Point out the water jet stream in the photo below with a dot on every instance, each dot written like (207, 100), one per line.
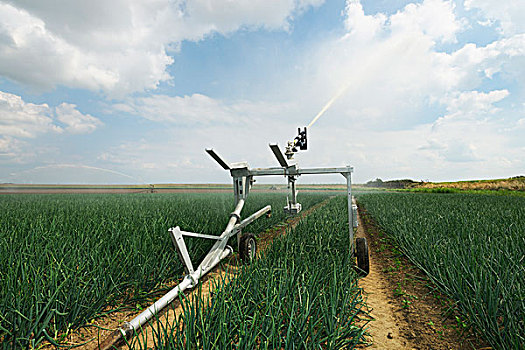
(328, 104)
(81, 166)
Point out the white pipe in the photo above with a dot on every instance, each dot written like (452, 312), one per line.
(218, 252)
(235, 215)
(187, 282)
(253, 217)
(160, 304)
(350, 211)
(211, 260)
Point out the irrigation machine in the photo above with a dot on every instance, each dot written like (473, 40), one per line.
(243, 179)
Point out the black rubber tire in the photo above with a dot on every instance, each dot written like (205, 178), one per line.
(248, 248)
(363, 261)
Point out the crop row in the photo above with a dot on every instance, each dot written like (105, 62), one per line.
(301, 293)
(472, 246)
(65, 259)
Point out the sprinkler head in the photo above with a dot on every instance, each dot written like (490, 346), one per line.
(300, 140)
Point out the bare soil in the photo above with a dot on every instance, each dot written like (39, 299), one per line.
(407, 310)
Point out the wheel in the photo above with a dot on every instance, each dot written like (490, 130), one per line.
(363, 262)
(248, 247)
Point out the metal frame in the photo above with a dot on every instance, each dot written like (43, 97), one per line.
(243, 179)
(243, 174)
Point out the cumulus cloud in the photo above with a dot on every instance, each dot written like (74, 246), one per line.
(21, 119)
(462, 134)
(434, 18)
(394, 67)
(27, 120)
(474, 103)
(405, 99)
(74, 121)
(118, 47)
(198, 109)
(22, 123)
(10, 147)
(412, 105)
(509, 15)
(418, 100)
(390, 64)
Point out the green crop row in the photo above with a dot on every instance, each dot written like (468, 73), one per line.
(66, 259)
(471, 246)
(301, 293)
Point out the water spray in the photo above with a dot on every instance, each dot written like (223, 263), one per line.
(300, 139)
(81, 166)
(329, 104)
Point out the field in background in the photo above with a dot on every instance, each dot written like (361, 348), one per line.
(158, 188)
(513, 185)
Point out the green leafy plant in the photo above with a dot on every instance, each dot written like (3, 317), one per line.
(471, 246)
(302, 293)
(68, 258)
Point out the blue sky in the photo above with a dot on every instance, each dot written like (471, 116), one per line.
(132, 91)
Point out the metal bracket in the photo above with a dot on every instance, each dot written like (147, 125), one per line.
(178, 241)
(354, 216)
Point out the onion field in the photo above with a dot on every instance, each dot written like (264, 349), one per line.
(68, 258)
(471, 246)
(301, 294)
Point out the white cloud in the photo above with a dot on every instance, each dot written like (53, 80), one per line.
(225, 16)
(10, 147)
(199, 109)
(28, 120)
(417, 102)
(395, 68)
(474, 103)
(118, 47)
(21, 119)
(399, 81)
(509, 13)
(388, 121)
(389, 63)
(76, 122)
(194, 109)
(360, 25)
(434, 18)
(505, 55)
(471, 131)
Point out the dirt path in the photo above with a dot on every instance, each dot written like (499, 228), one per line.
(407, 310)
(384, 328)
